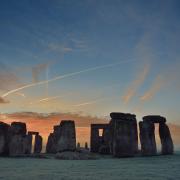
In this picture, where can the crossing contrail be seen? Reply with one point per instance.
(65, 76)
(49, 99)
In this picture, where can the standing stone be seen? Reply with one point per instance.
(147, 138)
(17, 133)
(4, 138)
(51, 144)
(38, 144)
(123, 135)
(100, 143)
(78, 145)
(166, 140)
(95, 139)
(67, 136)
(27, 144)
(86, 145)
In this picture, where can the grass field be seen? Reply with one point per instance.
(159, 167)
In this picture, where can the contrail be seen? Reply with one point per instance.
(65, 76)
(90, 102)
(48, 99)
(21, 94)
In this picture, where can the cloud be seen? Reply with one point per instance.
(8, 79)
(90, 102)
(40, 68)
(3, 101)
(43, 123)
(158, 83)
(59, 48)
(134, 86)
(169, 76)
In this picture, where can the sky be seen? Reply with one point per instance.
(90, 57)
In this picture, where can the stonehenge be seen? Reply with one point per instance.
(118, 138)
(14, 139)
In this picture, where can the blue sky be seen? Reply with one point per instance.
(59, 37)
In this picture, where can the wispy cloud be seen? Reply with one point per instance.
(134, 86)
(47, 99)
(90, 102)
(3, 101)
(158, 83)
(8, 78)
(168, 76)
(67, 75)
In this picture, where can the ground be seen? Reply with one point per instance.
(159, 167)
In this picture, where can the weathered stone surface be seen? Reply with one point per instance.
(86, 145)
(104, 149)
(16, 137)
(33, 133)
(123, 134)
(27, 144)
(67, 136)
(154, 119)
(16, 145)
(147, 138)
(51, 144)
(38, 144)
(63, 138)
(4, 138)
(123, 140)
(124, 116)
(18, 128)
(166, 140)
(96, 140)
(78, 145)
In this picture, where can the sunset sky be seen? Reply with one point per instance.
(90, 57)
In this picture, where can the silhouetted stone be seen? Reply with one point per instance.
(123, 135)
(18, 128)
(96, 139)
(147, 138)
(154, 119)
(51, 144)
(104, 149)
(27, 144)
(16, 136)
(38, 144)
(86, 145)
(166, 140)
(4, 138)
(67, 136)
(124, 116)
(63, 138)
(33, 133)
(78, 146)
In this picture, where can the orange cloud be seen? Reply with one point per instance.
(43, 123)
